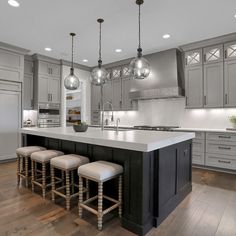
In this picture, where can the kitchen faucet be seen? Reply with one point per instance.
(112, 116)
(117, 125)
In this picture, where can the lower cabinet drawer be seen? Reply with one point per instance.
(220, 161)
(198, 158)
(198, 145)
(222, 148)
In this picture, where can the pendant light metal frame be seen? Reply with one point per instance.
(99, 69)
(72, 74)
(139, 66)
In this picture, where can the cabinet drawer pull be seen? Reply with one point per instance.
(226, 162)
(224, 148)
(226, 99)
(221, 136)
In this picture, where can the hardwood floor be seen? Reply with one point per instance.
(209, 210)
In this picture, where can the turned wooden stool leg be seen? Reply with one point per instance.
(33, 175)
(67, 190)
(72, 182)
(44, 179)
(26, 172)
(80, 196)
(63, 177)
(53, 183)
(18, 170)
(100, 205)
(87, 189)
(120, 195)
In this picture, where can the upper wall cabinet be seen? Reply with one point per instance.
(11, 66)
(194, 79)
(213, 76)
(213, 54)
(45, 68)
(230, 51)
(210, 75)
(47, 86)
(28, 85)
(193, 58)
(230, 74)
(194, 86)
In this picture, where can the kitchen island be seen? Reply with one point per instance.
(157, 166)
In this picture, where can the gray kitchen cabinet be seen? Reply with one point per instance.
(198, 149)
(28, 92)
(49, 69)
(10, 122)
(213, 54)
(127, 103)
(193, 58)
(11, 65)
(117, 94)
(28, 85)
(48, 90)
(213, 84)
(230, 51)
(43, 93)
(47, 84)
(194, 86)
(54, 89)
(107, 94)
(230, 83)
(95, 97)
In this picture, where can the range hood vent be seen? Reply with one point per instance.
(166, 79)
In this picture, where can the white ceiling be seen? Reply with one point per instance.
(37, 24)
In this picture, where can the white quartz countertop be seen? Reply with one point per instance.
(138, 140)
(205, 130)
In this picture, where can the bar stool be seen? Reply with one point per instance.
(43, 158)
(68, 164)
(23, 155)
(100, 172)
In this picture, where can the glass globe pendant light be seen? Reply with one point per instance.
(71, 82)
(99, 74)
(139, 66)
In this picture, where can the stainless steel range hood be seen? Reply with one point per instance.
(166, 79)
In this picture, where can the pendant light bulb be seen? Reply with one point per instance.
(99, 74)
(139, 66)
(71, 82)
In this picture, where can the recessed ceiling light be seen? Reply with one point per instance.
(166, 36)
(235, 16)
(85, 60)
(118, 50)
(48, 49)
(13, 3)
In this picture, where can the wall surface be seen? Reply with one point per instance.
(173, 112)
(85, 77)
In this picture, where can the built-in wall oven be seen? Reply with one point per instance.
(48, 115)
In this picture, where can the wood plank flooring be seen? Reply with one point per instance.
(209, 210)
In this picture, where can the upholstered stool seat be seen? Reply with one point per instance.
(23, 155)
(70, 161)
(68, 164)
(43, 158)
(100, 172)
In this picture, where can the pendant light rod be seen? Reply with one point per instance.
(72, 49)
(139, 3)
(100, 21)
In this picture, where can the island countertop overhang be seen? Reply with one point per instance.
(136, 140)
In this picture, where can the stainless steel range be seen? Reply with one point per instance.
(155, 128)
(48, 115)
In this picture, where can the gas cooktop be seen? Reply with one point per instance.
(155, 128)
